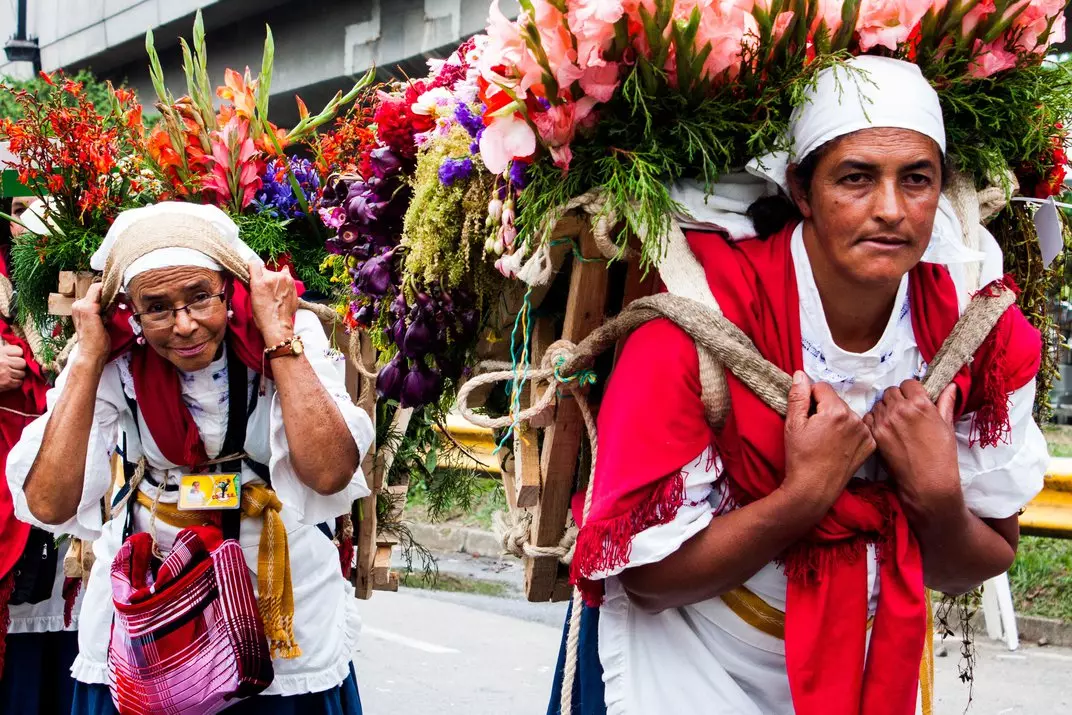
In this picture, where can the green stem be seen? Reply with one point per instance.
(295, 185)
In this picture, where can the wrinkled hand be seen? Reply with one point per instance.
(917, 442)
(94, 342)
(12, 367)
(275, 301)
(824, 448)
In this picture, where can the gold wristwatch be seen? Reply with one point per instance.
(290, 346)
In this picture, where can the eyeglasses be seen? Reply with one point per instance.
(160, 318)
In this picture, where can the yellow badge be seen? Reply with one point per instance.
(209, 491)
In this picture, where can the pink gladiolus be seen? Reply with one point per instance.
(1030, 25)
(781, 24)
(991, 59)
(505, 139)
(592, 23)
(600, 80)
(506, 48)
(558, 125)
(888, 22)
(727, 27)
(976, 15)
(829, 14)
(236, 169)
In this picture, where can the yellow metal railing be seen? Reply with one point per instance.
(476, 442)
(1050, 513)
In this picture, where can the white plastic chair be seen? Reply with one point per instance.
(999, 613)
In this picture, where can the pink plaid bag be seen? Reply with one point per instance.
(189, 641)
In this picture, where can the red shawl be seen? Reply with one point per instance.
(156, 381)
(655, 388)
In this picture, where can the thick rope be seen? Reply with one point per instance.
(540, 266)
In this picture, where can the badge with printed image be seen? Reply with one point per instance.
(199, 492)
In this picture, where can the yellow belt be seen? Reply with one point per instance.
(764, 617)
(275, 592)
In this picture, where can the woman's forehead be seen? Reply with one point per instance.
(174, 280)
(884, 144)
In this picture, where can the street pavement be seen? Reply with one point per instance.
(453, 653)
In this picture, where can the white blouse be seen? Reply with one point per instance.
(326, 622)
(703, 658)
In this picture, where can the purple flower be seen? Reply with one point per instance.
(384, 162)
(452, 170)
(389, 381)
(518, 177)
(276, 195)
(472, 122)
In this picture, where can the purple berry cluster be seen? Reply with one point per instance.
(432, 326)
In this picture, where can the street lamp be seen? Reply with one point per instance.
(21, 48)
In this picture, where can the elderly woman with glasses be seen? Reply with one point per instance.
(168, 344)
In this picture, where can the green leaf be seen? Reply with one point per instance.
(264, 82)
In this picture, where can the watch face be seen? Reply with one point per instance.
(297, 347)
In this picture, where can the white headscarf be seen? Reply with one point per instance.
(174, 256)
(867, 92)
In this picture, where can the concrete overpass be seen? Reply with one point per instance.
(320, 46)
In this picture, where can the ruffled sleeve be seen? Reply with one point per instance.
(1000, 480)
(705, 495)
(301, 501)
(651, 425)
(103, 437)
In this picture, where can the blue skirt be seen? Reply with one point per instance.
(37, 673)
(341, 700)
(588, 696)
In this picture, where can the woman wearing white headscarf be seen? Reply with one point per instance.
(164, 343)
(775, 566)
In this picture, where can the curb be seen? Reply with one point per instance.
(1051, 631)
(446, 539)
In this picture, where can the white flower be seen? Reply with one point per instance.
(430, 103)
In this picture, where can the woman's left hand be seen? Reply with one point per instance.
(275, 301)
(916, 440)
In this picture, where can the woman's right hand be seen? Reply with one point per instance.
(823, 449)
(93, 340)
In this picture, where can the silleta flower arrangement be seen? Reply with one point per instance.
(89, 162)
(628, 97)
(410, 212)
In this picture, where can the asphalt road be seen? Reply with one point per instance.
(446, 654)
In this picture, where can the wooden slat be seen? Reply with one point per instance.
(82, 281)
(60, 304)
(364, 510)
(562, 440)
(381, 567)
(527, 461)
(66, 283)
(543, 334)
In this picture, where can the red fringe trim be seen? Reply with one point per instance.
(990, 425)
(7, 587)
(605, 545)
(71, 587)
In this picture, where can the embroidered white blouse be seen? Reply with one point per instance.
(705, 659)
(326, 621)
